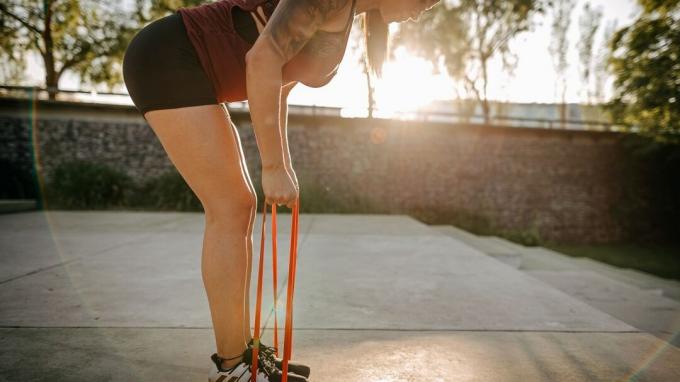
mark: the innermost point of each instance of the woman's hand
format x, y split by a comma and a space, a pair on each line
279, 187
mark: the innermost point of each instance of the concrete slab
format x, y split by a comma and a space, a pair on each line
154, 282
373, 281
485, 244
347, 281
646, 311
667, 287
509, 244
93, 221
134, 354
17, 205
539, 258
355, 224
138, 311
35, 241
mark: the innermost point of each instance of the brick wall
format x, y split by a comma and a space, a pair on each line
567, 186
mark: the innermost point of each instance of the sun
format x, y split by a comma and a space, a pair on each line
408, 84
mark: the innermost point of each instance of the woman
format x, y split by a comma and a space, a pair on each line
180, 69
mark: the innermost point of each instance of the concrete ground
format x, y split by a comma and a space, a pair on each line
118, 296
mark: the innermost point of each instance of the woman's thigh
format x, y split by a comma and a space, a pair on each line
203, 144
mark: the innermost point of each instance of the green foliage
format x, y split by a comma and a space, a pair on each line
80, 184
17, 183
148, 10
589, 23
87, 37
656, 165
662, 6
83, 36
528, 237
319, 199
168, 192
660, 259
644, 62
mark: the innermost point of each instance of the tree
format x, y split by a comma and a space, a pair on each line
601, 71
87, 37
149, 10
463, 36
83, 36
358, 46
589, 23
559, 48
645, 61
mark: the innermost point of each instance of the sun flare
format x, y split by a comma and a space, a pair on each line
408, 84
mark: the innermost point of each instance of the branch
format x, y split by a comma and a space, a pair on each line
4, 9
504, 39
67, 65
472, 86
34, 41
75, 58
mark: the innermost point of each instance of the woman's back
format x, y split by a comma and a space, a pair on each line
222, 32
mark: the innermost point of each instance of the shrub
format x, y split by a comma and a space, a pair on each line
80, 184
167, 192
17, 182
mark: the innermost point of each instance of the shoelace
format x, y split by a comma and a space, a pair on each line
268, 361
253, 376
265, 362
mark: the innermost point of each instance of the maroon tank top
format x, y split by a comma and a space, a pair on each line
221, 50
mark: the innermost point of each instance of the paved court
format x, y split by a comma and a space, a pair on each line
118, 296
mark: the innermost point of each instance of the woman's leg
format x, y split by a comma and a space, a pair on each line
247, 335
205, 148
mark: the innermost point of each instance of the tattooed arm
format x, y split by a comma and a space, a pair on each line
291, 25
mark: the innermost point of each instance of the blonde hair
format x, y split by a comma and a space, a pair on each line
376, 33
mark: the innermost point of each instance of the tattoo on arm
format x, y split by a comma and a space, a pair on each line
294, 22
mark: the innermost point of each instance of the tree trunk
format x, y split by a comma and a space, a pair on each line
563, 106
485, 101
485, 111
51, 80
369, 85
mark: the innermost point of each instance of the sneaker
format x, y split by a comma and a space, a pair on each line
242, 372
269, 352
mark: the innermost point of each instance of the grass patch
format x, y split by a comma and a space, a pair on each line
659, 259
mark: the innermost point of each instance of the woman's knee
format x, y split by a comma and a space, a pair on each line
232, 209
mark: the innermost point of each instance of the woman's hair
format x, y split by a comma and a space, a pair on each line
376, 33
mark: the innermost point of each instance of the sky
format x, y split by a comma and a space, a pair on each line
408, 81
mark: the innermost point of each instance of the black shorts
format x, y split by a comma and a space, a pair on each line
161, 69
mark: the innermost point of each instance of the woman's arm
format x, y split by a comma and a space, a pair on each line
283, 123
291, 25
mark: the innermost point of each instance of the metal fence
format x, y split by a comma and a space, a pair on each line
41, 93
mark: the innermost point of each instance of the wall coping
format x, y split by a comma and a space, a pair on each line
88, 111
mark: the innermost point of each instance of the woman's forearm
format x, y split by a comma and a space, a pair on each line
263, 82
283, 123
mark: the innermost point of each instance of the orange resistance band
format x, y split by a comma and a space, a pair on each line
288, 335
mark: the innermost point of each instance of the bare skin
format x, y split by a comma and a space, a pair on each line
229, 201
203, 144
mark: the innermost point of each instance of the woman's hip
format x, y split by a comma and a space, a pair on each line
160, 63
